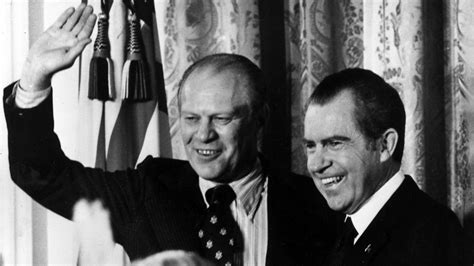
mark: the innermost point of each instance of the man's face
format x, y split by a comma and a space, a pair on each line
219, 135
341, 160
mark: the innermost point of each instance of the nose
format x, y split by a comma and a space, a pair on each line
206, 132
318, 161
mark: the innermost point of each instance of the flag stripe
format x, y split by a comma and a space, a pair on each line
100, 161
128, 134
130, 129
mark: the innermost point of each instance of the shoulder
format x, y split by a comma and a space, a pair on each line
434, 218
425, 208
300, 185
428, 217
292, 184
426, 221
434, 229
299, 191
165, 169
151, 163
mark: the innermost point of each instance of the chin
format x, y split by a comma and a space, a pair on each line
207, 173
335, 205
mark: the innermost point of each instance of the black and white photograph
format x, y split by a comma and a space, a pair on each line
237, 132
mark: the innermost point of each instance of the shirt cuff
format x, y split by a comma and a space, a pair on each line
28, 99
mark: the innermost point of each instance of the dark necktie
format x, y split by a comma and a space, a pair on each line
220, 236
344, 245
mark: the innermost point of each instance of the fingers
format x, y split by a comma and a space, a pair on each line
72, 20
82, 21
63, 18
65, 56
76, 50
86, 30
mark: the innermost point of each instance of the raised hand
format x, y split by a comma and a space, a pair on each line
58, 47
95, 233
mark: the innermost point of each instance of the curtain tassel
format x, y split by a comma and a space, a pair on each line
101, 66
135, 84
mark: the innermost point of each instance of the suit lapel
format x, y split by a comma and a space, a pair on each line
174, 213
378, 234
368, 245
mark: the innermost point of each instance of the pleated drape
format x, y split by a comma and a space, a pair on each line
422, 48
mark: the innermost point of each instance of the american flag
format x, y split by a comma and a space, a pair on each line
114, 134
125, 132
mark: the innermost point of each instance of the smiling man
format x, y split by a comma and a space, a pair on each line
354, 137
221, 118
225, 203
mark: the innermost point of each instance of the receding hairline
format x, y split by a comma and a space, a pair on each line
239, 83
352, 97
234, 69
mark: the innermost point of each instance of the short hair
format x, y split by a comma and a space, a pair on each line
378, 105
238, 64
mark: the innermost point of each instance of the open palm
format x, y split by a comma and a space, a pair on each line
58, 47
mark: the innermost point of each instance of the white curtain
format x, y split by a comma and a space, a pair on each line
24, 238
30, 234
425, 49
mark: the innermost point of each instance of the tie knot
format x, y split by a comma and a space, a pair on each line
220, 195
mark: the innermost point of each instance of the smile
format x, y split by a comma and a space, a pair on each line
206, 152
329, 181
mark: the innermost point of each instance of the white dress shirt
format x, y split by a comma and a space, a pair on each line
250, 212
364, 216
28, 99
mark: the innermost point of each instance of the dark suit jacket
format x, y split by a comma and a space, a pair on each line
157, 206
411, 229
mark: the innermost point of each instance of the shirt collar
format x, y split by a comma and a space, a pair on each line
364, 216
248, 190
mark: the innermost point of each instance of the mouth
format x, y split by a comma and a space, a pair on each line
207, 152
331, 181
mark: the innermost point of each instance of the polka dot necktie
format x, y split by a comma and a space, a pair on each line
220, 236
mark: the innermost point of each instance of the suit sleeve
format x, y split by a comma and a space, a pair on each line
40, 168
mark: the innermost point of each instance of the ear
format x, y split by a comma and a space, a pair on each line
388, 141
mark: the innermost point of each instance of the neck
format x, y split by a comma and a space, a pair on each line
387, 172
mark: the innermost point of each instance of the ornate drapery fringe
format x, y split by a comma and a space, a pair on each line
135, 80
101, 74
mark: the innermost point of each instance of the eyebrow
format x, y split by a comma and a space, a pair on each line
237, 112
337, 137
331, 138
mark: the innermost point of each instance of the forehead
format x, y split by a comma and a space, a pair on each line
212, 88
335, 118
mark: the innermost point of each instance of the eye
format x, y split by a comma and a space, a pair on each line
191, 118
335, 144
309, 146
222, 120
